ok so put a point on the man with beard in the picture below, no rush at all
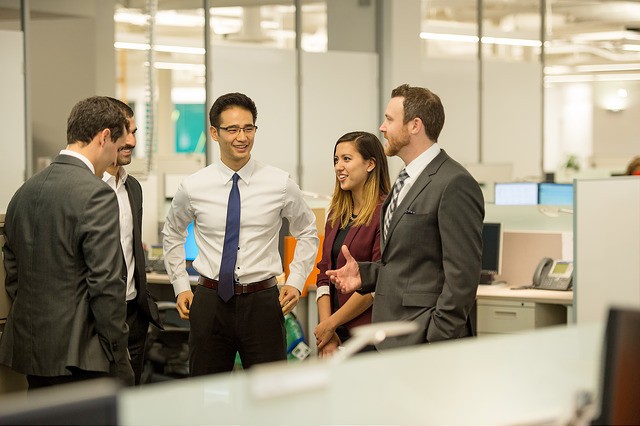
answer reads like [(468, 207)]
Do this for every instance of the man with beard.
[(431, 225), (141, 308)]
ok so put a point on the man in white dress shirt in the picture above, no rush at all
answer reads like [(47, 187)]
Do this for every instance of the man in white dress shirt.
[(251, 322), (141, 308)]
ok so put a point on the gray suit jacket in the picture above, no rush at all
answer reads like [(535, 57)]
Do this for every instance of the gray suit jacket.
[(64, 274), (431, 259)]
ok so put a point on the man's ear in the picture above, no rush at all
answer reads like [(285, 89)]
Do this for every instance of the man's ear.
[(214, 133), (105, 135), (416, 125)]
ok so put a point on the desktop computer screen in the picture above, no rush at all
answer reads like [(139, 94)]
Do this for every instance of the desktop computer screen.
[(190, 250), (516, 194), (491, 252), (190, 247), (557, 194)]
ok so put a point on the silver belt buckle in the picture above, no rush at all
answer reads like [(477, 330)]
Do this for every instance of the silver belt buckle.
[(245, 288)]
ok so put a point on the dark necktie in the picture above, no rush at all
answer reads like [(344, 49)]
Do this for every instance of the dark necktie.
[(230, 248), (397, 187)]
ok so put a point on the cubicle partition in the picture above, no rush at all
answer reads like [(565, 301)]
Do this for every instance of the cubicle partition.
[(607, 246)]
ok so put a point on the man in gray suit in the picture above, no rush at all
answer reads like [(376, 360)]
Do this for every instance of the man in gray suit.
[(64, 263), (431, 225)]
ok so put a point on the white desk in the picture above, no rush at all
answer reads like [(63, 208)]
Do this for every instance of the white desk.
[(503, 310), (504, 292), (512, 379)]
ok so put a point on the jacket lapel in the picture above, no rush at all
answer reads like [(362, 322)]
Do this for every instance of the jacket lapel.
[(416, 189)]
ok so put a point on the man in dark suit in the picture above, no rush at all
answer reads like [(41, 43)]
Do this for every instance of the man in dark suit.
[(64, 263), (431, 230), (141, 308)]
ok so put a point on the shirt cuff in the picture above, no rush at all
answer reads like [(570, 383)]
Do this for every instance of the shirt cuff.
[(181, 285), (323, 290)]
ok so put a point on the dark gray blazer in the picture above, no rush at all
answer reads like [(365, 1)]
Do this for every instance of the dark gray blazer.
[(64, 274), (431, 260), (143, 299)]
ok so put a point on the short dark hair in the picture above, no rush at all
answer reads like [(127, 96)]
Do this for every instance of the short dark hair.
[(128, 111), (230, 100), (423, 104), (92, 115)]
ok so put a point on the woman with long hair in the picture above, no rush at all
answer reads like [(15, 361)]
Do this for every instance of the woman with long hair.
[(362, 183)]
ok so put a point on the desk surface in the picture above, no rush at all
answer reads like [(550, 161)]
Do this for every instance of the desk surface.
[(504, 292), (510, 379)]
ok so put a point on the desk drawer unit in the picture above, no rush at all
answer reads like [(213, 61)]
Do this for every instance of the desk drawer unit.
[(503, 317)]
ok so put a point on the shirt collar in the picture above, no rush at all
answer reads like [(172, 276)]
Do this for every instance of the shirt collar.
[(109, 178), (245, 172), (79, 156), (416, 167)]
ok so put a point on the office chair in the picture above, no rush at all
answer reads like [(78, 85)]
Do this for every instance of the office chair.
[(167, 351)]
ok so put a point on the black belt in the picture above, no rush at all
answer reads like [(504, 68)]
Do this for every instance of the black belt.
[(240, 288)]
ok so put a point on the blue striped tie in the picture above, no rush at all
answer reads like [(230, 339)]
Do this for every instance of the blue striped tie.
[(397, 187), (230, 248)]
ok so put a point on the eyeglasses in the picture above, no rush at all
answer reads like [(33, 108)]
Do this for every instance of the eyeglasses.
[(233, 130)]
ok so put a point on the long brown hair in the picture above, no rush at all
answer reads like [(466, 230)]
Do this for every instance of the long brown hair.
[(376, 186)]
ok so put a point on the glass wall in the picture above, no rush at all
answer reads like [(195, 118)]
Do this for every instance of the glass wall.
[(555, 108)]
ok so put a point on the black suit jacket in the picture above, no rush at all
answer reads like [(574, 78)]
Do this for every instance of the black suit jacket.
[(144, 300), (64, 266)]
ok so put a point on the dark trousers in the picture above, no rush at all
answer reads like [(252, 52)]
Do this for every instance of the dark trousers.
[(138, 328), (250, 324), (76, 375)]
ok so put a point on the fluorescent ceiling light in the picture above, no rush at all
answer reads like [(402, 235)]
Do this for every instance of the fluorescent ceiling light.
[(199, 68), (590, 78), (164, 17), (511, 41), (449, 37), (486, 40), (159, 48), (631, 47), (607, 67)]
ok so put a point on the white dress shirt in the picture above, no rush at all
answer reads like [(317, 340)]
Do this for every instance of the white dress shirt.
[(416, 167), (267, 194), (126, 227)]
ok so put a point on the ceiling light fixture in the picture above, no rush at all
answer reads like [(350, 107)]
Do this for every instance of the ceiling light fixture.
[(159, 48), (505, 41), (590, 78)]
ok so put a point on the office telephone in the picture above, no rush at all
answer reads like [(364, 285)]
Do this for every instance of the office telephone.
[(553, 275)]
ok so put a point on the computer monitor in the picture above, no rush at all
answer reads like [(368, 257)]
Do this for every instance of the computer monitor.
[(516, 194), (556, 194), (90, 402), (190, 246), (620, 369), (491, 252)]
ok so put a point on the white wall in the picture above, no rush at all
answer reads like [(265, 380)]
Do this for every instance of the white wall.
[(511, 116), (616, 135), (267, 76), (351, 80), (12, 150)]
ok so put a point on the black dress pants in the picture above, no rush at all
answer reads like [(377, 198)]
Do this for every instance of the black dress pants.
[(138, 328), (250, 324)]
